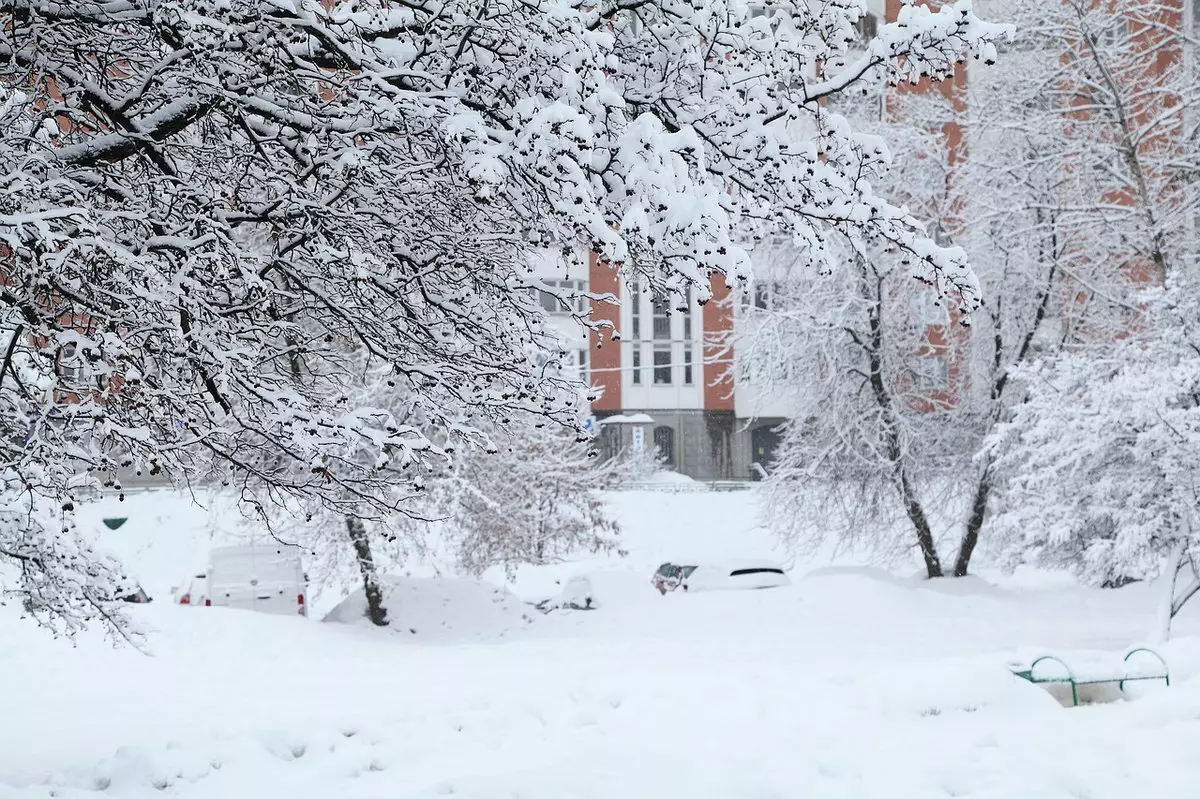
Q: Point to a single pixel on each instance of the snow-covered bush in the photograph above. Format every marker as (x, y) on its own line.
(1100, 462)
(535, 499)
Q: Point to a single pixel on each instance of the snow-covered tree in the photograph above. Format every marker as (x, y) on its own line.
(1099, 462)
(534, 500)
(211, 212)
(1074, 182)
(1082, 185)
(868, 360)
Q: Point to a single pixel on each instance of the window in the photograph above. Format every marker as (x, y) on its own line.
(70, 365)
(637, 363)
(662, 365)
(582, 356)
(766, 295)
(762, 296)
(664, 445)
(566, 296)
(635, 310)
(760, 570)
(941, 236)
(1109, 164)
(662, 320)
(868, 26)
(687, 364)
(687, 316)
(931, 309)
(931, 372)
(1115, 31)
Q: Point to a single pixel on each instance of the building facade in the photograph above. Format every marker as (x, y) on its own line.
(662, 374)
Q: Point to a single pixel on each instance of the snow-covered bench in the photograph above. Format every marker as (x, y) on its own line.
(1094, 668)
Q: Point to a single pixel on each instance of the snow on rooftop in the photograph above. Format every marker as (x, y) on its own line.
(620, 418)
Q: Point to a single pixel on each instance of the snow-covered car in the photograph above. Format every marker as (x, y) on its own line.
(193, 592)
(724, 576)
(267, 579)
(577, 594)
(133, 593)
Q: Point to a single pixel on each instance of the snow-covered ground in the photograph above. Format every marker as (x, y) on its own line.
(849, 683)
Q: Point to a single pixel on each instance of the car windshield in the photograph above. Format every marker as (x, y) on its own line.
(756, 570)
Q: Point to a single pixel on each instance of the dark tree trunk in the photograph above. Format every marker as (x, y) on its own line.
(974, 524)
(983, 489)
(376, 612)
(920, 523)
(895, 453)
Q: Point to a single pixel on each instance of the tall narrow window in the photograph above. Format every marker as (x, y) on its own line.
(762, 296)
(687, 316)
(661, 323)
(868, 26)
(662, 319)
(70, 365)
(662, 364)
(549, 302)
(687, 363)
(637, 363)
(635, 311)
(664, 445)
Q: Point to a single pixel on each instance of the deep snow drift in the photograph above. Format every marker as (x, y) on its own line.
(849, 683)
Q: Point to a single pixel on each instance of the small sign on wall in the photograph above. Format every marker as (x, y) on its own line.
(639, 439)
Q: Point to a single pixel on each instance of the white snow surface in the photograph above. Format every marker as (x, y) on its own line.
(849, 683)
(440, 609)
(620, 418)
(670, 477)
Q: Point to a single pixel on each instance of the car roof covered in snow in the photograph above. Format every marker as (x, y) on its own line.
(727, 566)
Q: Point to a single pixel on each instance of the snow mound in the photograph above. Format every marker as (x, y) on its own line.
(669, 477)
(439, 608)
(871, 573)
(576, 594)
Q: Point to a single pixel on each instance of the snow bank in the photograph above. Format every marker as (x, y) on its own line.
(669, 477)
(848, 684)
(440, 609)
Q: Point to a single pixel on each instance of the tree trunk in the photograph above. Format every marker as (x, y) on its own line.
(1166, 600)
(376, 612)
(895, 452)
(974, 523)
(920, 523)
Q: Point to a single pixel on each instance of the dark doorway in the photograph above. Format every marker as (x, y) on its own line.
(763, 443)
(664, 445)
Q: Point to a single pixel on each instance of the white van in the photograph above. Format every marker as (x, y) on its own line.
(269, 579)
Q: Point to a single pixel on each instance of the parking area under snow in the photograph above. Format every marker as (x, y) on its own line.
(848, 683)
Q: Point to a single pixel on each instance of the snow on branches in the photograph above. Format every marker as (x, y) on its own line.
(535, 501)
(217, 215)
(1099, 461)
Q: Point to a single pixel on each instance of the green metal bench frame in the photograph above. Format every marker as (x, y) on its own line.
(1027, 674)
